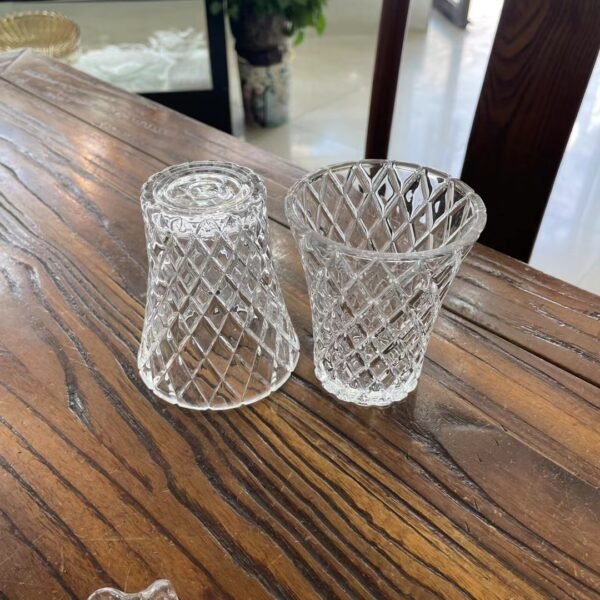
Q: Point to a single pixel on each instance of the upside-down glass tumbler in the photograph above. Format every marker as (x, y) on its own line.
(381, 242)
(216, 331)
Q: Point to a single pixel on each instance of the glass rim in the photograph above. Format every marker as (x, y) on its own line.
(252, 188)
(470, 236)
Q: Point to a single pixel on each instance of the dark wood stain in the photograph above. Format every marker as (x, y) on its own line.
(482, 484)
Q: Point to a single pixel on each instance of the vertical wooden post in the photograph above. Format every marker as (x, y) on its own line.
(392, 25)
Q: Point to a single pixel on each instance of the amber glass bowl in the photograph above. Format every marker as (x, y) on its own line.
(50, 33)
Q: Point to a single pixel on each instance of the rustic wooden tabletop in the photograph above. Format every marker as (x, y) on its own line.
(483, 484)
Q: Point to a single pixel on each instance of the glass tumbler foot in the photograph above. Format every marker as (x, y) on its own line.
(381, 398)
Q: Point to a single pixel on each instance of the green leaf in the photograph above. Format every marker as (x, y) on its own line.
(320, 23)
(216, 7)
(299, 14)
(298, 38)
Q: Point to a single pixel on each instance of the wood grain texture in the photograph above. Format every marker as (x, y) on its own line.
(7, 58)
(540, 64)
(483, 484)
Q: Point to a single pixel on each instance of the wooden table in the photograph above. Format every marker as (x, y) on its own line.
(483, 484)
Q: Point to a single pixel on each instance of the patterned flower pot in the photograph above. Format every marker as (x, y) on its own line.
(261, 42)
(266, 92)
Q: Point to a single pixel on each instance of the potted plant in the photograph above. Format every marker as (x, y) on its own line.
(262, 30)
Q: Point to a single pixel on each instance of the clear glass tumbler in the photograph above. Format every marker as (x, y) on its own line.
(216, 331)
(381, 242)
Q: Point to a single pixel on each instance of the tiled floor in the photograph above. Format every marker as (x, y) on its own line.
(441, 76)
(329, 102)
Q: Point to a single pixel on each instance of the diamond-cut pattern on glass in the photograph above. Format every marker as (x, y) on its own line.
(216, 331)
(380, 243)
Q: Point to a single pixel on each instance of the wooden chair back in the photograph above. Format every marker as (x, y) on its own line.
(541, 61)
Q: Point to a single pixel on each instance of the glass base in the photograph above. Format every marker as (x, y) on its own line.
(173, 399)
(368, 398)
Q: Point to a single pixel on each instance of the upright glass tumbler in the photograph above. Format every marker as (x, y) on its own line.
(380, 242)
(216, 331)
